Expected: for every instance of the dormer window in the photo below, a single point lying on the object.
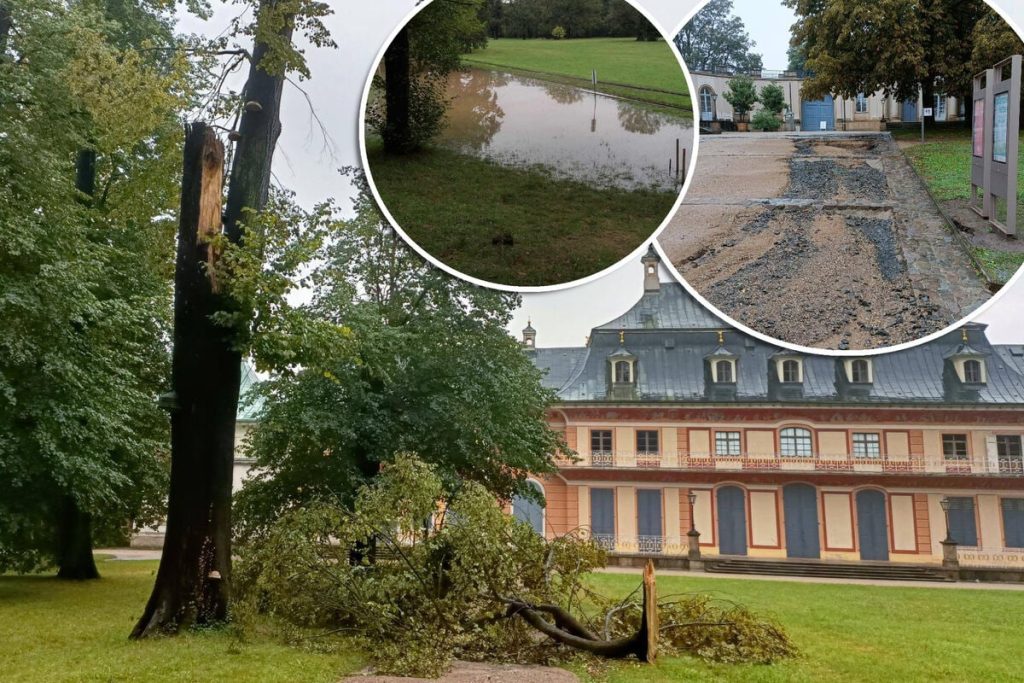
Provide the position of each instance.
(858, 371)
(724, 371)
(790, 370)
(973, 372)
(623, 372)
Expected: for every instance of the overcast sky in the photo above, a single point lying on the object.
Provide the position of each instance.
(360, 28)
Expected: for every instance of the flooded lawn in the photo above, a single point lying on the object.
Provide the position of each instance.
(571, 133)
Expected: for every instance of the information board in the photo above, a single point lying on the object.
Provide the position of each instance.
(1000, 126)
(979, 128)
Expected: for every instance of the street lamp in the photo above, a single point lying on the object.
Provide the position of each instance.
(944, 504)
(949, 557)
(693, 537)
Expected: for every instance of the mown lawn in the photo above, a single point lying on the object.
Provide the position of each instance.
(857, 632)
(944, 162)
(58, 631)
(54, 630)
(650, 67)
(455, 207)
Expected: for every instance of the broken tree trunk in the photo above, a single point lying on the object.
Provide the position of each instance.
(568, 631)
(397, 134)
(191, 586)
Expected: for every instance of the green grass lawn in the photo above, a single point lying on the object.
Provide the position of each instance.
(944, 162)
(454, 205)
(54, 630)
(650, 67)
(857, 632)
(61, 631)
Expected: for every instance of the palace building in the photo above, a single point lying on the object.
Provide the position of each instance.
(787, 455)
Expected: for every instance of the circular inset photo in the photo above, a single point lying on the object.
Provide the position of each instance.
(528, 143)
(850, 195)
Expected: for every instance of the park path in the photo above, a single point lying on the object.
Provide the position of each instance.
(828, 240)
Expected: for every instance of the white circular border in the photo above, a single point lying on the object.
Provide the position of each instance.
(640, 249)
(863, 353)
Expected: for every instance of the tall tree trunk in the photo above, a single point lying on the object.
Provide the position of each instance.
(397, 132)
(928, 99)
(193, 582)
(74, 542)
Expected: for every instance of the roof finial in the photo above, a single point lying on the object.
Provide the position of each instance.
(963, 334)
(622, 336)
(721, 336)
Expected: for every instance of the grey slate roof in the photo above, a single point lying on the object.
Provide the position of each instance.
(671, 335)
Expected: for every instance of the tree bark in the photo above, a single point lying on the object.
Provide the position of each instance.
(193, 582)
(74, 542)
(5, 27)
(397, 133)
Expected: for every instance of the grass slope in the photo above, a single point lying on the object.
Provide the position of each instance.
(651, 66)
(54, 630)
(453, 205)
(944, 162)
(856, 632)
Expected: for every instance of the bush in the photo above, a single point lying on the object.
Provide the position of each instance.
(742, 95)
(773, 98)
(427, 109)
(765, 120)
(558, 33)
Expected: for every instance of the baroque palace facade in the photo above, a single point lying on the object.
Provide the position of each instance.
(787, 455)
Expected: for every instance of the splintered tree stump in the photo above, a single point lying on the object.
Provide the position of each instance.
(649, 618)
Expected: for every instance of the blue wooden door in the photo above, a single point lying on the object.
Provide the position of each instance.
(1013, 522)
(602, 517)
(800, 506)
(872, 530)
(814, 112)
(732, 521)
(528, 510)
(648, 520)
(963, 527)
(909, 113)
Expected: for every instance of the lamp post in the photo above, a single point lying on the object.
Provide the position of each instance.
(693, 537)
(949, 556)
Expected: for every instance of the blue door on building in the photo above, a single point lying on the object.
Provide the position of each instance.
(815, 112)
(800, 506)
(528, 510)
(732, 521)
(602, 517)
(909, 113)
(963, 527)
(872, 530)
(648, 520)
(1013, 522)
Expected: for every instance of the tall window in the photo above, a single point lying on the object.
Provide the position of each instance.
(727, 443)
(623, 372)
(954, 446)
(795, 442)
(972, 371)
(790, 370)
(1009, 453)
(723, 371)
(862, 103)
(707, 104)
(860, 371)
(866, 445)
(647, 441)
(600, 441)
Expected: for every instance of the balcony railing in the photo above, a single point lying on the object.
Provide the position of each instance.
(758, 462)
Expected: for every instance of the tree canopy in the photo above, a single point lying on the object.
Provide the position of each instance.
(578, 18)
(716, 40)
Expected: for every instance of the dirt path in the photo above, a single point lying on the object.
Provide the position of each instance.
(470, 672)
(821, 240)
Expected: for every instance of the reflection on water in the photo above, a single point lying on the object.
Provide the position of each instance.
(574, 134)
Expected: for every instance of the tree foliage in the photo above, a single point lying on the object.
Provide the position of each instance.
(716, 40)
(578, 18)
(84, 297)
(742, 95)
(427, 365)
(772, 98)
(894, 46)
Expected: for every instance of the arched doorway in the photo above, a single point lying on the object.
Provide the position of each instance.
(707, 103)
(800, 506)
(872, 529)
(528, 510)
(732, 520)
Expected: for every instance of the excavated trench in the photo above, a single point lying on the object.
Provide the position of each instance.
(823, 261)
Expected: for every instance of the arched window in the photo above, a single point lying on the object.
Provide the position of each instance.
(972, 371)
(723, 371)
(795, 442)
(707, 103)
(623, 372)
(790, 370)
(528, 510)
(860, 371)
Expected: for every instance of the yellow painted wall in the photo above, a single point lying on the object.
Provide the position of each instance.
(763, 518)
(760, 443)
(903, 531)
(700, 442)
(990, 523)
(702, 516)
(625, 518)
(670, 504)
(669, 448)
(897, 444)
(625, 446)
(583, 505)
(838, 521)
(832, 443)
(583, 446)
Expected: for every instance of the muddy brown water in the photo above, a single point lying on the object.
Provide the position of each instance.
(569, 132)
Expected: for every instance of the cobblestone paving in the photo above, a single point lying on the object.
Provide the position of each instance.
(824, 240)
